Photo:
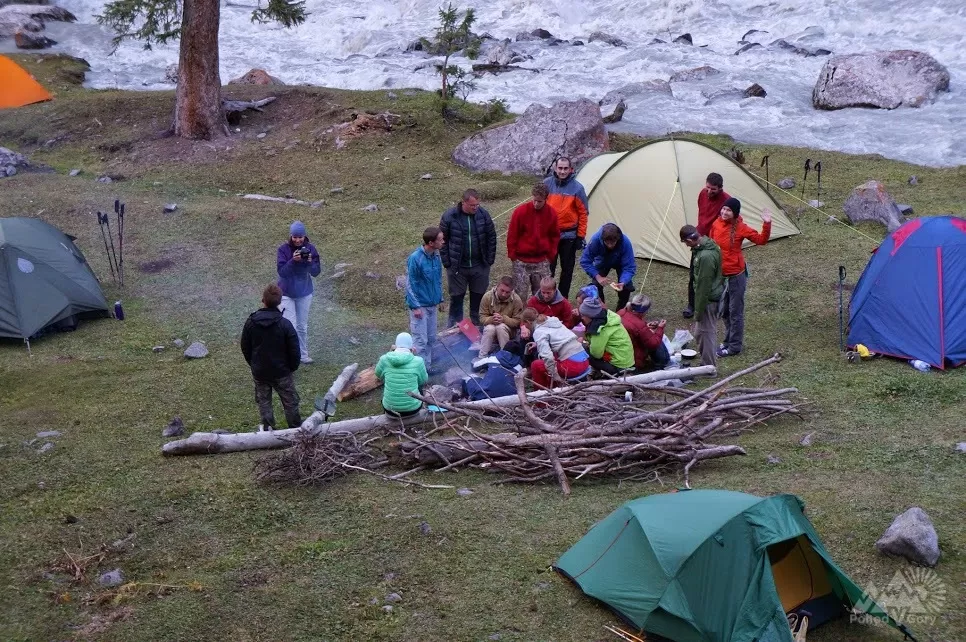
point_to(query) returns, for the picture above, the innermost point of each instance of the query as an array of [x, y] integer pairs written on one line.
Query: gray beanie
[[591, 308]]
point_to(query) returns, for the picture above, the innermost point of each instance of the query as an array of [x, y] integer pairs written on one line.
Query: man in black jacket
[[468, 254], [271, 348]]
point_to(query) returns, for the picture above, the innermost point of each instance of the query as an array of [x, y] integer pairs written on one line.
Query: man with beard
[[500, 312], [531, 241], [569, 200], [710, 201]]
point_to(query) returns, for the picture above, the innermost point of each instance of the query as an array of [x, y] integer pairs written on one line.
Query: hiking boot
[[687, 313], [724, 352]]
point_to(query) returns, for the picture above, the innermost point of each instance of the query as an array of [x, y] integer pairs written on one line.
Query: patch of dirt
[[153, 267], [101, 622], [252, 579]]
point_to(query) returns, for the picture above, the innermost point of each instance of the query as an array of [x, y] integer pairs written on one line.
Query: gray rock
[[807, 439], [613, 113], [543, 34], [170, 207], [913, 180], [174, 429], [683, 39], [496, 637], [10, 157], [453, 376], [9, 170], [394, 597], [341, 266], [464, 492], [30, 18], [961, 447], [335, 190], [784, 45], [541, 134], [354, 341], [426, 177], [75, 172], [443, 394], [196, 350], [748, 46], [317, 204], [261, 136], [391, 95], [755, 91], [372, 275], [883, 79], [387, 608], [871, 202], [912, 536], [787, 183], [178, 343], [606, 37], [816, 204], [111, 578], [337, 275], [698, 73], [425, 528], [48, 434], [47, 447], [104, 179], [26, 39], [905, 210], [774, 459], [634, 89], [371, 207]]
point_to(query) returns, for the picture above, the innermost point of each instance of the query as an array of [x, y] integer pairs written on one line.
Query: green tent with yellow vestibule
[[714, 566]]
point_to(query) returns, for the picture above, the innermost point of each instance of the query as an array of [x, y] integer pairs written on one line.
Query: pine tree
[[198, 112]]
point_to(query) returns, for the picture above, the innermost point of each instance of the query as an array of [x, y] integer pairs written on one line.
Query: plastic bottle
[[118, 311], [921, 366]]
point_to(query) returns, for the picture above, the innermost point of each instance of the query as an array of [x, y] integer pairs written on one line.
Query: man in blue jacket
[[424, 292], [609, 249], [298, 262]]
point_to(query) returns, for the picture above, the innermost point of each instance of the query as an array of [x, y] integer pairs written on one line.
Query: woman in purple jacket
[[298, 263]]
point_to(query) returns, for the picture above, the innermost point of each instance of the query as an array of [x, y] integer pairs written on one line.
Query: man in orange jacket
[[531, 242], [568, 198]]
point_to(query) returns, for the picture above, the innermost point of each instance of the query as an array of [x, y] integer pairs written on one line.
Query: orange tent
[[17, 87]]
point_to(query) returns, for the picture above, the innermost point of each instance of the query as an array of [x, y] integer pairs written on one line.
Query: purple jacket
[[295, 279]]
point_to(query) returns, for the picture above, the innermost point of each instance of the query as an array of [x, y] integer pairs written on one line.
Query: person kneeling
[[402, 372], [608, 343], [560, 356], [650, 353]]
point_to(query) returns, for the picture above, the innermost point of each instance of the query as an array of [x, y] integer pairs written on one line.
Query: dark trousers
[[606, 366], [567, 254], [733, 312], [622, 297], [691, 285], [285, 387], [458, 280]]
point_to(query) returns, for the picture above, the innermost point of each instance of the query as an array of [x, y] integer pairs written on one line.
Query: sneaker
[[724, 352], [687, 313], [721, 346], [308, 360]]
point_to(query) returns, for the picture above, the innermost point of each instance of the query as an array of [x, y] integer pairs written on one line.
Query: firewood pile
[[595, 429]]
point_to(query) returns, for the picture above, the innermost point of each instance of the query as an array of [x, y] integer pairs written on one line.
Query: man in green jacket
[[402, 372], [608, 342], [708, 288]]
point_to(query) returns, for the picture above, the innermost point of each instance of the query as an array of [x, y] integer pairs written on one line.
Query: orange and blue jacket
[[569, 200]]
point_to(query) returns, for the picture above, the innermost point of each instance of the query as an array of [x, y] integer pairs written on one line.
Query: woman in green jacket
[[402, 372], [608, 342]]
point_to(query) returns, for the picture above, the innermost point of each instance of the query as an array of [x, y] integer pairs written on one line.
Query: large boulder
[[883, 79], [10, 157], [698, 73], [541, 134], [256, 77], [26, 17], [871, 202], [912, 536]]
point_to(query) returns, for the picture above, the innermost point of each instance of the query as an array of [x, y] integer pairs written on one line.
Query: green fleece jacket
[[612, 339], [401, 373], [708, 280]]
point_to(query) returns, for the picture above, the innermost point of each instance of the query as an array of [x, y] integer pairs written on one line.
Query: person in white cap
[[298, 262], [401, 372]]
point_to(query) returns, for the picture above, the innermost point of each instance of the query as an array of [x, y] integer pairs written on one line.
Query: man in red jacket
[[548, 301], [710, 201], [531, 242]]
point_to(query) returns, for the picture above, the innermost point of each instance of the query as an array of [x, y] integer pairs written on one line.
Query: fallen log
[[364, 382], [234, 108], [206, 443], [328, 401]]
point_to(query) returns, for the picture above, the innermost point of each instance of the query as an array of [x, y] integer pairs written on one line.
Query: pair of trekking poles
[[808, 167], [115, 258]]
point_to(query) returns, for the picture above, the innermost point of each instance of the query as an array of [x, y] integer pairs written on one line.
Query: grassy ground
[[210, 554]]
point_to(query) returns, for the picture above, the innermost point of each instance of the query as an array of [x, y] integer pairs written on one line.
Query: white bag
[[681, 339]]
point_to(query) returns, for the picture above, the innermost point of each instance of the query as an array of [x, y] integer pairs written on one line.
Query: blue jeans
[[424, 332], [297, 312]]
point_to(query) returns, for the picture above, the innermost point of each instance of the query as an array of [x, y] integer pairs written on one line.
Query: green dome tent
[[45, 281], [713, 566], [651, 191]]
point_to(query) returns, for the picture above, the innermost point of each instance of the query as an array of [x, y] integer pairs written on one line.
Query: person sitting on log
[[650, 353], [402, 372], [560, 355], [608, 343], [500, 313]]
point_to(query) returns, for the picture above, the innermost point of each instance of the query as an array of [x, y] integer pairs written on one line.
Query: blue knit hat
[[590, 292], [297, 229]]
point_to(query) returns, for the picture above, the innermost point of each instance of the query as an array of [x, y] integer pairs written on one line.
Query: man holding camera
[[298, 263]]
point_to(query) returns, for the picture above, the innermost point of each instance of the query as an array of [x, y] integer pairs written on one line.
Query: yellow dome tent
[[17, 87], [652, 190]]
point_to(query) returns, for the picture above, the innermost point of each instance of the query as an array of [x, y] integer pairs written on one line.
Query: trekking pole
[[100, 224], [841, 319], [110, 235], [120, 240], [808, 166], [764, 163], [818, 189]]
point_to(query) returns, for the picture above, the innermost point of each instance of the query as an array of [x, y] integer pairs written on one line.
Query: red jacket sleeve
[[512, 235], [553, 234], [758, 238]]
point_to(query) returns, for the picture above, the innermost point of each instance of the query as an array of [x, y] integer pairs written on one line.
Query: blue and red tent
[[910, 301]]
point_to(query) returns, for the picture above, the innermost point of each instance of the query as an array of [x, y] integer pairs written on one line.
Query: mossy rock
[[497, 190]]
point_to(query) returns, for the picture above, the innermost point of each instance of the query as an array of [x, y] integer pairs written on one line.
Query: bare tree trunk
[[198, 111]]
